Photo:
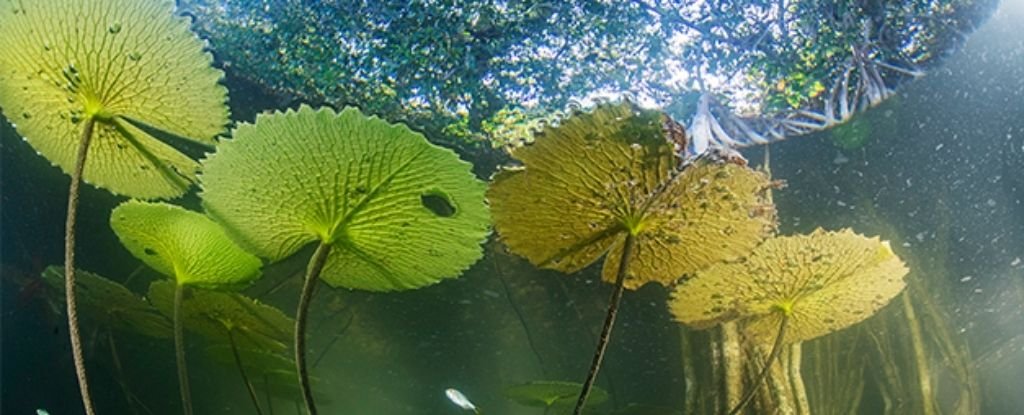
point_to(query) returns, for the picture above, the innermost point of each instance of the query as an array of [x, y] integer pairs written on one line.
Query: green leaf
[[182, 244], [588, 182], [111, 304], [213, 313], [399, 212], [116, 60], [555, 394]]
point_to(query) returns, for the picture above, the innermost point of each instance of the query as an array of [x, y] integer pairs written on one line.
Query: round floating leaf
[[825, 281], [588, 182], [182, 244], [115, 60], [543, 394], [399, 212], [213, 313], [111, 304]]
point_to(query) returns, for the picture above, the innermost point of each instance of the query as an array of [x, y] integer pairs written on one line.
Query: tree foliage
[[766, 69]]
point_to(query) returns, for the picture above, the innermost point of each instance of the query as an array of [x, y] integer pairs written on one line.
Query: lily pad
[[588, 182], [824, 281], [182, 244], [552, 394], [213, 313], [398, 212], [111, 304], [122, 63]]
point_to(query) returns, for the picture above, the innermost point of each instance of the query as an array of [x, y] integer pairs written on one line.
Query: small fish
[[42, 412], [460, 400]]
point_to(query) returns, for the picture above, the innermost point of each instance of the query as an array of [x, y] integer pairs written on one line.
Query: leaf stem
[[69, 266], [776, 349], [316, 264], [179, 350], [241, 371], [609, 321]]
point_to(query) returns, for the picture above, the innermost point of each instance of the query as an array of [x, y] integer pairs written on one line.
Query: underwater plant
[[112, 305], [386, 209], [188, 247], [793, 289], [97, 78], [555, 397], [608, 182], [249, 327]]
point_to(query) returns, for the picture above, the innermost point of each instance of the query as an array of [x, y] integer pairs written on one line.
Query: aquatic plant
[[387, 210], [554, 396], [113, 70], [111, 304], [607, 182], [188, 247], [793, 288], [248, 326]]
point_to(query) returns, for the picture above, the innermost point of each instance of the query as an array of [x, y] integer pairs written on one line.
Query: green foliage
[[558, 396], [399, 212], [111, 304], [446, 67], [184, 245], [213, 314], [121, 63]]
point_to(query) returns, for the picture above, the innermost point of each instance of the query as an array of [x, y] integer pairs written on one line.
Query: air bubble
[[114, 28]]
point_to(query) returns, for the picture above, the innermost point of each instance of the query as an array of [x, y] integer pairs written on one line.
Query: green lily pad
[[825, 281], [213, 313], [599, 176], [552, 394], [398, 212], [120, 63], [182, 244], [111, 304]]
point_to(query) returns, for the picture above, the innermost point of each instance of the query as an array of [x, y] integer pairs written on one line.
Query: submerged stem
[[69, 266], [609, 321], [316, 264], [179, 350], [776, 348], [241, 371]]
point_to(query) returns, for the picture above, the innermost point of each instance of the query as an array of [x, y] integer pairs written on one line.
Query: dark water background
[[948, 151]]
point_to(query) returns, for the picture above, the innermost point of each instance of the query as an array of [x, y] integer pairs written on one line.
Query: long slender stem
[[316, 264], [69, 266], [179, 350], [241, 371], [776, 349], [924, 379], [266, 394], [119, 371], [609, 321]]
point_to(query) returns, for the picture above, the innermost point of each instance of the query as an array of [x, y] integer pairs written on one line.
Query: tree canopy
[[465, 72]]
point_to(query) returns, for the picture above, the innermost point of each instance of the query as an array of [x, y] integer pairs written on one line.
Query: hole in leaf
[[438, 202]]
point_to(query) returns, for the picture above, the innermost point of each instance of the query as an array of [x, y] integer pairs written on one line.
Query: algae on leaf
[[824, 282], [598, 176], [118, 63], [609, 183]]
